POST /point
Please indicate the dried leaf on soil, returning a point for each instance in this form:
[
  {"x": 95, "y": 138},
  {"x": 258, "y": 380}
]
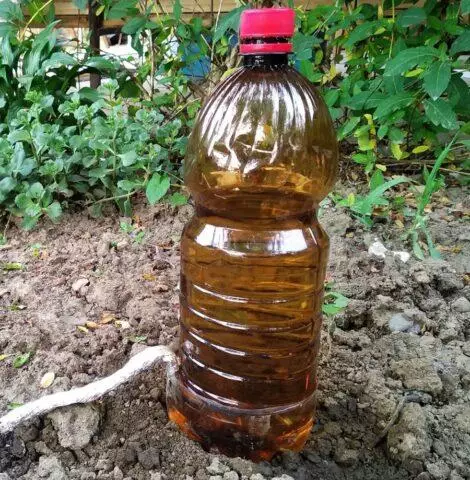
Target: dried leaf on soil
[
  {"x": 149, "y": 277},
  {"x": 138, "y": 339},
  {"x": 107, "y": 317},
  {"x": 92, "y": 325},
  {"x": 47, "y": 380}
]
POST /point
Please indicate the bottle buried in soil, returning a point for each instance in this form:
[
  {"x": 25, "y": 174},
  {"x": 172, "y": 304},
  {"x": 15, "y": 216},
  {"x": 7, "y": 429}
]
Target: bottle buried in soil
[{"x": 262, "y": 155}]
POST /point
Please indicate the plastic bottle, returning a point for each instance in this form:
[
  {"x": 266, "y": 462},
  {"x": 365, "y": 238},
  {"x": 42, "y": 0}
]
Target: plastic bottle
[{"x": 262, "y": 155}]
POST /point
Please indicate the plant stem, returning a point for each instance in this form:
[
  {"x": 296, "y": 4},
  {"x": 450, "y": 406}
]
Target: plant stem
[
  {"x": 6, "y": 227},
  {"x": 36, "y": 13},
  {"x": 393, "y": 30}
]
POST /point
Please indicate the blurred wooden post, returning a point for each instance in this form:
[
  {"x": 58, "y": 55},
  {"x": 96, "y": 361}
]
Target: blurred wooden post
[{"x": 95, "y": 23}]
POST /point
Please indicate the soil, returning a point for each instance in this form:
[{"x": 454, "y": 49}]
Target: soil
[{"x": 394, "y": 387}]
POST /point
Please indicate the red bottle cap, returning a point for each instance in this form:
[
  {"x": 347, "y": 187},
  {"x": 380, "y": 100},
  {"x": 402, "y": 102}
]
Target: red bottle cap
[{"x": 266, "y": 23}]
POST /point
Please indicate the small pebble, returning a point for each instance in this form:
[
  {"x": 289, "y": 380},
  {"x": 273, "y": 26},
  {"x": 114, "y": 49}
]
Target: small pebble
[
  {"x": 438, "y": 470},
  {"x": 88, "y": 476},
  {"x": 231, "y": 476},
  {"x": 217, "y": 467},
  {"x": 400, "y": 323},
  {"x": 78, "y": 284},
  {"x": 117, "y": 473},
  {"x": 149, "y": 458},
  {"x": 461, "y": 305}
]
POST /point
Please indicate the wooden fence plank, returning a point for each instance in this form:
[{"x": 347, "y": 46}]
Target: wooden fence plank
[{"x": 72, "y": 17}]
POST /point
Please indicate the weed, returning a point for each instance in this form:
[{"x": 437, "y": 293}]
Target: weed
[{"x": 419, "y": 228}]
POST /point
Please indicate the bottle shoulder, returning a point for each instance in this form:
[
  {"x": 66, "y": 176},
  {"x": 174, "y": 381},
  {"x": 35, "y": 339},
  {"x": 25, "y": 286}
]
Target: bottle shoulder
[
  {"x": 263, "y": 131},
  {"x": 281, "y": 98}
]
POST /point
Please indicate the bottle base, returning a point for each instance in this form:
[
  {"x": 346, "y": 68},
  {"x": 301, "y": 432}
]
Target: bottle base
[{"x": 254, "y": 433}]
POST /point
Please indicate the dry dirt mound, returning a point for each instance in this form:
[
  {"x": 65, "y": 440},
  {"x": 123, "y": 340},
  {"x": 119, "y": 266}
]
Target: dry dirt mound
[{"x": 87, "y": 294}]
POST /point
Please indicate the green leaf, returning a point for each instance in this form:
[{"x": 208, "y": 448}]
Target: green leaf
[
  {"x": 303, "y": 45},
  {"x": 19, "y": 136},
  {"x": 461, "y": 43},
  {"x": 229, "y": 21},
  {"x": 177, "y": 199},
  {"x": 128, "y": 158},
  {"x": 459, "y": 94},
  {"x": 25, "y": 203},
  {"x": 307, "y": 70},
  {"x": 365, "y": 205},
  {"x": 396, "y": 150},
  {"x": 7, "y": 184},
  {"x": 361, "y": 32},
  {"x": 81, "y": 4},
  {"x": 20, "y": 164},
  {"x": 87, "y": 93},
  {"x": 122, "y": 9},
  {"x": 365, "y": 100},
  {"x": 177, "y": 10},
  {"x": 36, "y": 190},
  {"x": 58, "y": 59},
  {"x": 22, "y": 360},
  {"x": 348, "y": 127},
  {"x": 394, "y": 84},
  {"x": 54, "y": 211},
  {"x": 411, "y": 16},
  {"x": 12, "y": 266},
  {"x": 157, "y": 187},
  {"x": 29, "y": 222},
  {"x": 340, "y": 302},
  {"x": 138, "y": 338},
  {"x": 465, "y": 7},
  {"x": 436, "y": 79},
  {"x": 382, "y": 131},
  {"x": 393, "y": 103},
  {"x": 407, "y": 59},
  {"x": 396, "y": 135},
  {"x": 331, "y": 96},
  {"x": 7, "y": 56},
  {"x": 128, "y": 185},
  {"x": 440, "y": 112},
  {"x": 11, "y": 11},
  {"x": 134, "y": 25},
  {"x": 376, "y": 180},
  {"x": 100, "y": 63}
]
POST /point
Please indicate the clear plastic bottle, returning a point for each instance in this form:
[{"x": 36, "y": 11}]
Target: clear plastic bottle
[{"x": 262, "y": 155}]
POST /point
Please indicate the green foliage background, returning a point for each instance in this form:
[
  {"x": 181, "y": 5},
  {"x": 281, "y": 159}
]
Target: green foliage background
[{"x": 390, "y": 73}]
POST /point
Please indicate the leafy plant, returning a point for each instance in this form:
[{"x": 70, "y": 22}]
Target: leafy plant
[
  {"x": 393, "y": 85},
  {"x": 99, "y": 152},
  {"x": 22, "y": 360},
  {"x": 137, "y": 234},
  {"x": 399, "y": 92},
  {"x": 363, "y": 206},
  {"x": 419, "y": 227},
  {"x": 333, "y": 302}
]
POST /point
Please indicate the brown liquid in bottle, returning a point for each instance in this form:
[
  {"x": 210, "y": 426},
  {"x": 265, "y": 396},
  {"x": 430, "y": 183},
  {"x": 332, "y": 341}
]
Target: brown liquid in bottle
[{"x": 262, "y": 155}]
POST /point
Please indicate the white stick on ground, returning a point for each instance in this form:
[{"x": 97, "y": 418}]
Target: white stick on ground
[{"x": 90, "y": 392}]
